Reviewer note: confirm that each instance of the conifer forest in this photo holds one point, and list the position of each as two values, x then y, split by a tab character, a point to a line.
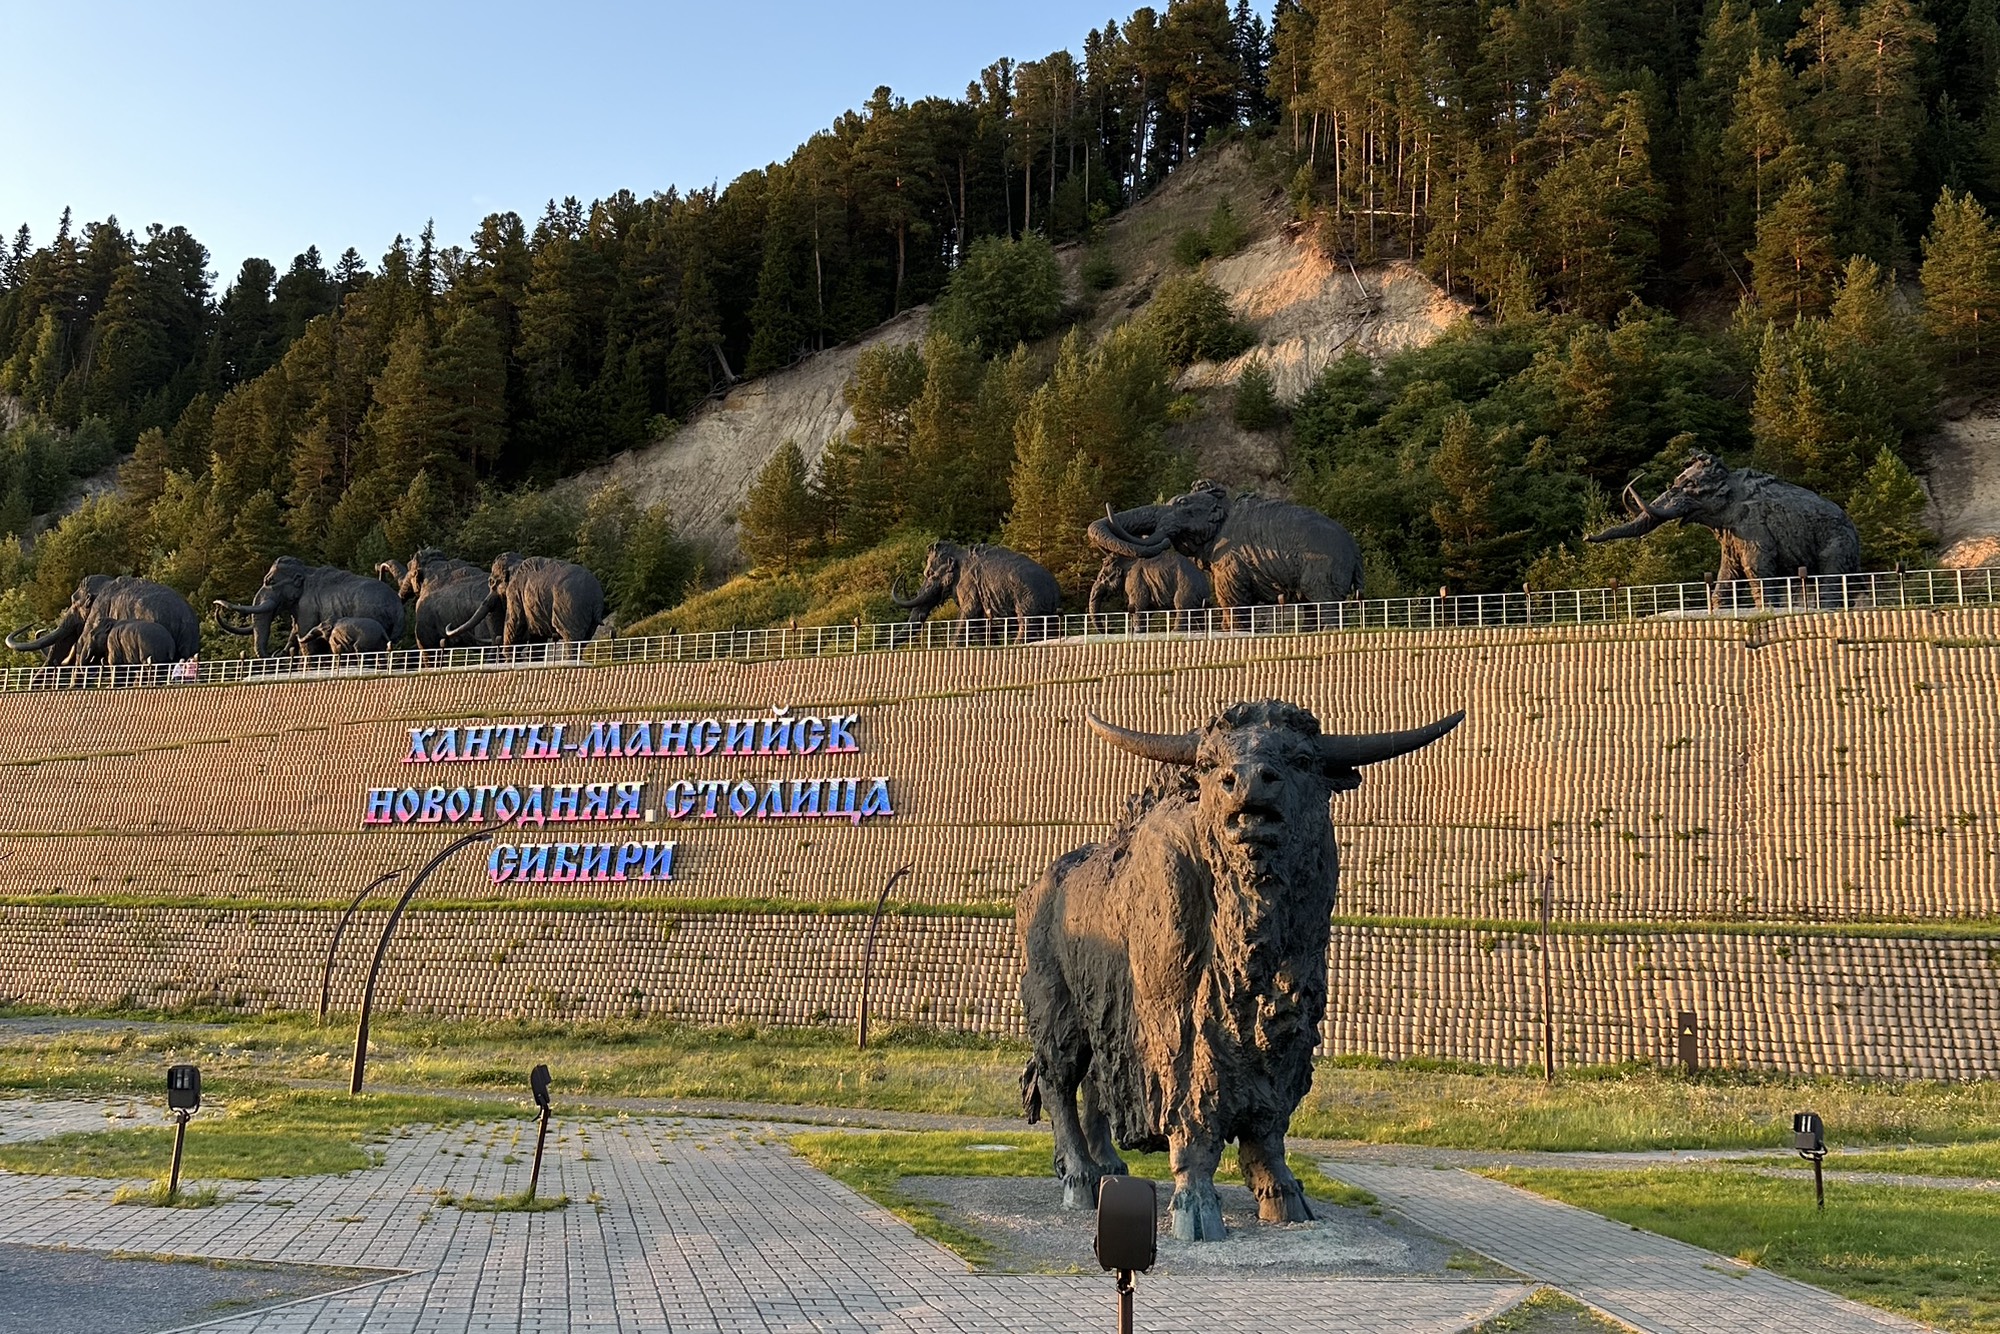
1760	230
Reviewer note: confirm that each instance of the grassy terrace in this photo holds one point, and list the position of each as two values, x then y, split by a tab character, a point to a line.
1932	1254
921	1070
278	1107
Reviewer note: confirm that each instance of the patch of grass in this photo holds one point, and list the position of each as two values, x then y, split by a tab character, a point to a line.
520	1202
257	1133
875	1165
1631	1108
1548	1312
1957	1160
154	1195
1932	1254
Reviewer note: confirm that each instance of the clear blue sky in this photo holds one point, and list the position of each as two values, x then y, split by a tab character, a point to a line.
264	128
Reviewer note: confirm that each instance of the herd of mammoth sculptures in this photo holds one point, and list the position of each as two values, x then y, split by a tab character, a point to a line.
1206	549
123	620
1203	548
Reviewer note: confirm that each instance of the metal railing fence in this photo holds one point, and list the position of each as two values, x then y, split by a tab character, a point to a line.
1565	606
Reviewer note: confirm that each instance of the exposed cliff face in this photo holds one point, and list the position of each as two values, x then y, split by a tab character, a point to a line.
1962	474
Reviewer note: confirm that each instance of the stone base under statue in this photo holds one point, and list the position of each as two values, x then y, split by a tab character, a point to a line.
1022	1218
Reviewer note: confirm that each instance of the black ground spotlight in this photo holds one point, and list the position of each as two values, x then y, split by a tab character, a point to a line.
1127	1226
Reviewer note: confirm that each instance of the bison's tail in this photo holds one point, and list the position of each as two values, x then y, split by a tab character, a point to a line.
1031	1093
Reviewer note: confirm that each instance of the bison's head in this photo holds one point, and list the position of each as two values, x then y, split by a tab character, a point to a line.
1264	768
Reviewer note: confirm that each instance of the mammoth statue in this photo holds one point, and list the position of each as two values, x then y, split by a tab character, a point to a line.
311	595
544	599
1767	528
100	599
444	593
1256	551
989	583
1176	973
349	634
1166	582
125	644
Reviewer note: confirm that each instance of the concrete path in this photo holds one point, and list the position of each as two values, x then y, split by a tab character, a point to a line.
701	1227
1652	1283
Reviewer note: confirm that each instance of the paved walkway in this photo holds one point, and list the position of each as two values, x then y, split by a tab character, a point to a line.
698	1226
1650	1282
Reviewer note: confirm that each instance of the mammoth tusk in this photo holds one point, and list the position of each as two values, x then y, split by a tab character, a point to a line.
896	594
22	642
1161	746
1351	752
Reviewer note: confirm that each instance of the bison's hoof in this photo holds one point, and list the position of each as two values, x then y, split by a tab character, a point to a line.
1080	1190
1286	1206
1196	1212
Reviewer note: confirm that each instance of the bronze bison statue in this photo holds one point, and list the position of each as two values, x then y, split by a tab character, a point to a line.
1176	973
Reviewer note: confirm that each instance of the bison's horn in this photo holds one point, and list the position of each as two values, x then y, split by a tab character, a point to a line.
1165	747
1351	752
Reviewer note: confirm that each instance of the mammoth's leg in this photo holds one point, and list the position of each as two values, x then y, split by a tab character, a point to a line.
1280	1199
1097	1133
1196	1210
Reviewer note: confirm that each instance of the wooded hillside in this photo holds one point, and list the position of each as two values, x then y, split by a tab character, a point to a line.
1608	182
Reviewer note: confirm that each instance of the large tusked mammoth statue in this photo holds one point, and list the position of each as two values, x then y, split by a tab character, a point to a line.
102	598
443	592
125	644
1166	582
544	599
1256	551
1176	972
989	583
1767	528
310	595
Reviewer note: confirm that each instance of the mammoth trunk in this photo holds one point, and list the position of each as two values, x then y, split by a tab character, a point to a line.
492	604
922	605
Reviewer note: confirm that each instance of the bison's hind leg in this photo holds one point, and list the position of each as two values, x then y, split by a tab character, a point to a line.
1196	1210
1280	1198
1074	1161
1097	1134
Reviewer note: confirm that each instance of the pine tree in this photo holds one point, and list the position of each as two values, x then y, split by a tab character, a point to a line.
1256	407
1888	512
779	522
1792	268
1961	275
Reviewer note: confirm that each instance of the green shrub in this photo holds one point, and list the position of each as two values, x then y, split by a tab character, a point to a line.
745	602
1190	321
1191	247
1006	292
1099	273
1257	406
1226	232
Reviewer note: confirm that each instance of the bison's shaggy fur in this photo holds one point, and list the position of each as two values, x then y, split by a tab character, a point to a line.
1176	972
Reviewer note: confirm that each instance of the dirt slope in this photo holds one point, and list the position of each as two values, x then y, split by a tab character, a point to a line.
703	470
1962	473
1306	311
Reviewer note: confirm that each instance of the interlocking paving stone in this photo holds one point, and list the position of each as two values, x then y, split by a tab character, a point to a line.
699	1226
1652	1283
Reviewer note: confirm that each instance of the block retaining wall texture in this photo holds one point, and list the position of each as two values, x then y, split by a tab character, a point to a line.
1825	769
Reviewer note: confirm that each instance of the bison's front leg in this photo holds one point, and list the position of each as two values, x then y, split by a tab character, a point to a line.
1280	1199
1196	1211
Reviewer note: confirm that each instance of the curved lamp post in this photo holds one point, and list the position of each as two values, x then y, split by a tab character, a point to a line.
868	953
382	948
326	973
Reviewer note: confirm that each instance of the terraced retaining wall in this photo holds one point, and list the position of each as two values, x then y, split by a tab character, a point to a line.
1788	826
